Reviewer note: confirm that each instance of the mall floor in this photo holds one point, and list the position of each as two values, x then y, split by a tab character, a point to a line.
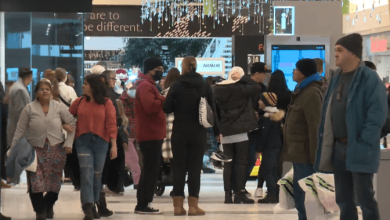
16	203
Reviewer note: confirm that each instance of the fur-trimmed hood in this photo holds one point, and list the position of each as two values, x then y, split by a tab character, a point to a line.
274	114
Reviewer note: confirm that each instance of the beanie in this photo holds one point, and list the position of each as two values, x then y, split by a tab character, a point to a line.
307	67
353	43
151	63
269	98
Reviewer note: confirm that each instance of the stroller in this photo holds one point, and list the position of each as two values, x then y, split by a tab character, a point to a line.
165	178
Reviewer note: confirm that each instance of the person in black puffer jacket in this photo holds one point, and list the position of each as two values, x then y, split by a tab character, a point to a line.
189	137
236	104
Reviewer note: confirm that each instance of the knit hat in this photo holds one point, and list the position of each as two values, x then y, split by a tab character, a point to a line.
307	67
151	63
269	99
353	43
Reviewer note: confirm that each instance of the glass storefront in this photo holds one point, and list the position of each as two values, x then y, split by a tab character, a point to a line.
42	41
376	50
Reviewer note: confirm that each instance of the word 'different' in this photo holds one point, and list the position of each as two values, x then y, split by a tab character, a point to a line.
112	27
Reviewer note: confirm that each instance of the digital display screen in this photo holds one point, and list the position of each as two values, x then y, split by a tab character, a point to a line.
284	58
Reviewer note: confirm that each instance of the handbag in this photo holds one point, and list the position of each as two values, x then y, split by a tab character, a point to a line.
206	115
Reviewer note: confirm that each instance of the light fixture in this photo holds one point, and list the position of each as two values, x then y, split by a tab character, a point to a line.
169	12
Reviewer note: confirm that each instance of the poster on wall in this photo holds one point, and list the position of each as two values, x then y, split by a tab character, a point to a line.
126	21
284	20
254	58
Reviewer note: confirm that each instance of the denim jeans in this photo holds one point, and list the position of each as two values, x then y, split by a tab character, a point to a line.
301	171
346	183
92	152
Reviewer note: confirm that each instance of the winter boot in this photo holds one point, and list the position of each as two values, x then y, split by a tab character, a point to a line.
88	211
178	206
193	207
228	197
102	206
95	212
269	199
241	197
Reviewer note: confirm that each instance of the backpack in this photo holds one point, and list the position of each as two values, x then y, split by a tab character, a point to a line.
206	115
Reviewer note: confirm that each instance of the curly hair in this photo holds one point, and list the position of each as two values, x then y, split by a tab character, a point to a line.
51	75
99	90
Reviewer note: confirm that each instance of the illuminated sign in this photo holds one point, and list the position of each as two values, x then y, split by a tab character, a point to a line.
378	44
207	66
284	20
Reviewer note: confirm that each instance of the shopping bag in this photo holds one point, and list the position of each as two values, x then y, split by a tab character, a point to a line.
314	208
286	193
256	168
326	191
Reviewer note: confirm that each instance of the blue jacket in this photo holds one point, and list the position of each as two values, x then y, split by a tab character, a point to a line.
21	156
366	115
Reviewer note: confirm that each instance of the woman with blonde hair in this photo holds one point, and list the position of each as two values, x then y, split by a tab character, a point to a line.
189	137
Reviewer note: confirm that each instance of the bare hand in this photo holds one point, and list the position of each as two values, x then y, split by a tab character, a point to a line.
68	128
125	146
114	152
258	155
68	150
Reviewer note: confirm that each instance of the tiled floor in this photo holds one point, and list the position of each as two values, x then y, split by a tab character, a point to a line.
16	203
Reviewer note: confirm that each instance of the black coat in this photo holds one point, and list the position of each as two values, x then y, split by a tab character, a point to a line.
183	100
236	105
271	134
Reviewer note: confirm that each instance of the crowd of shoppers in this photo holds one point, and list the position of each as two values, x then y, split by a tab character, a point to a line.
327	124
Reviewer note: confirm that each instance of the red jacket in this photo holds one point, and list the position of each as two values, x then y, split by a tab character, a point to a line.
150	118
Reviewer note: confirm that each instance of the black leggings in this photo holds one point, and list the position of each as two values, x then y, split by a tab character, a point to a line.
188	149
40	202
239	153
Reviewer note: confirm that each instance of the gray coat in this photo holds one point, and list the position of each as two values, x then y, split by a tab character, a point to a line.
18	99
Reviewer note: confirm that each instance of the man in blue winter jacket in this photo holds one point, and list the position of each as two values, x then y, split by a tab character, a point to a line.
353	114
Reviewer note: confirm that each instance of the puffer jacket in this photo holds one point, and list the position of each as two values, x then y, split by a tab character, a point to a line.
236	106
302	122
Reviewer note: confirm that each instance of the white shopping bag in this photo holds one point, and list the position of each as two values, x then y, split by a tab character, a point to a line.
326	191
286	193
314	208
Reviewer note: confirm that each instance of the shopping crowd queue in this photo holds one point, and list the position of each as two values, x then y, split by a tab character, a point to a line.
331	125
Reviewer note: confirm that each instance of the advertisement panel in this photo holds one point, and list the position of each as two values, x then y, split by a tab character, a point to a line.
206	66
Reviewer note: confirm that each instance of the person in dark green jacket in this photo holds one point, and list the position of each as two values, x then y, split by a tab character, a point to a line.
353	114
301	127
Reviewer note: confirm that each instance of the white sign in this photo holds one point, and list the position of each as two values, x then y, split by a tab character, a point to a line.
207	66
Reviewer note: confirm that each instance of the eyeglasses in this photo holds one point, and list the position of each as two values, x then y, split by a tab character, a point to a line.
113	79
44	90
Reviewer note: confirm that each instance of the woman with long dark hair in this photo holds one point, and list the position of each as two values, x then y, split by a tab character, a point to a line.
41	124
92	140
189	137
278	86
172	77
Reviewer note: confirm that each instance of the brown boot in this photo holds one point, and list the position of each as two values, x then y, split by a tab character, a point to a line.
178	206
193	207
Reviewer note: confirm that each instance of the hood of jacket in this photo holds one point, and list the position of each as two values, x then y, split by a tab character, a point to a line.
192	80
142	77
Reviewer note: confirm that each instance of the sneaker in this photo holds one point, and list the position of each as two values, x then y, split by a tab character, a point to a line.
259	192
220	156
148	211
